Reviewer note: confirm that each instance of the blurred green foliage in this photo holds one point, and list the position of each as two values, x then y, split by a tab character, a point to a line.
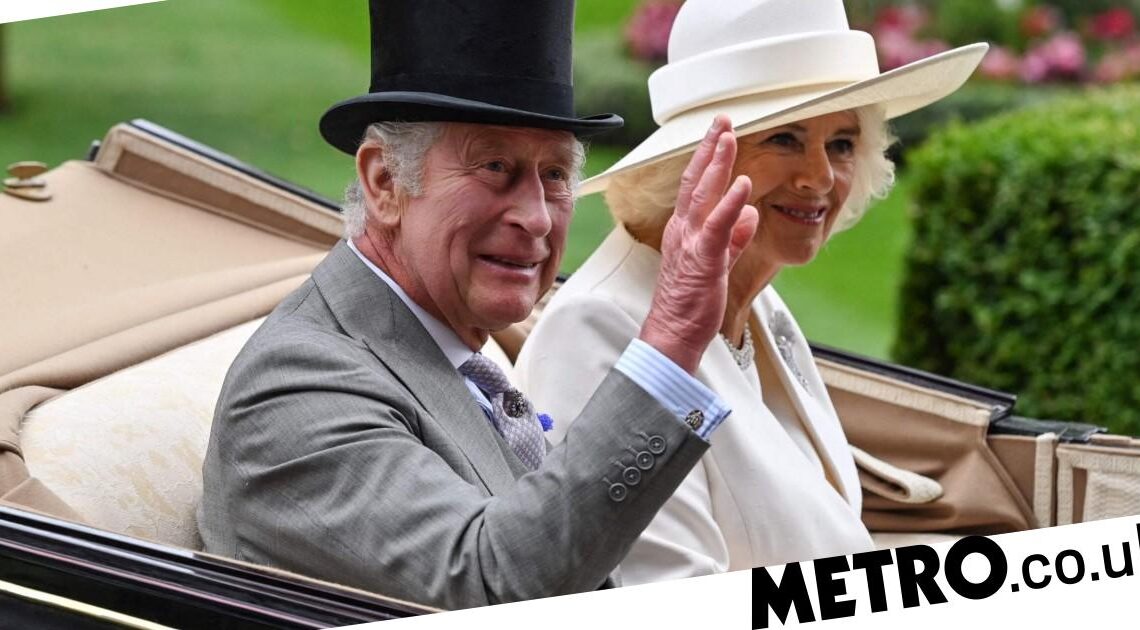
973	102
1023	271
251	79
967	21
348	23
606	79
606	14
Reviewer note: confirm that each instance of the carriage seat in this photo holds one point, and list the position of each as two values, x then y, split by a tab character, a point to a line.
125	451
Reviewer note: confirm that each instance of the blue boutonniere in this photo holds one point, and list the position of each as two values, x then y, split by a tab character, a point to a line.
546	421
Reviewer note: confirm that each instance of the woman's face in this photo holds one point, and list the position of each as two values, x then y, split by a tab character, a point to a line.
801	176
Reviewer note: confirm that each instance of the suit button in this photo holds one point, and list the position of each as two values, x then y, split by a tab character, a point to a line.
644	460
631	476
695	419
618	492
656	444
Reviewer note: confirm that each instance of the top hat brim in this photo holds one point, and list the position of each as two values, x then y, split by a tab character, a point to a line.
899	91
344	124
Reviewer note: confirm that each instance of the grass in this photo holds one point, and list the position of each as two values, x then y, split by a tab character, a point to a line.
597	13
252	78
848	296
233	75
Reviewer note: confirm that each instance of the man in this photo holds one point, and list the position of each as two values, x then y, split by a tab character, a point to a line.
360	438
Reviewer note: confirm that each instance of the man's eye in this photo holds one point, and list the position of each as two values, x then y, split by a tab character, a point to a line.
496	166
557	174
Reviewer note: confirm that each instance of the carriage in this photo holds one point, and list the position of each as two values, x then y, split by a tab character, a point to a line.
133	277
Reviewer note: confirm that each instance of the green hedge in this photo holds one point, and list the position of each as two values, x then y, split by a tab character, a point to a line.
1024	272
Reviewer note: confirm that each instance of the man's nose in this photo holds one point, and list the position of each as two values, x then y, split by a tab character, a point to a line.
815	173
529	209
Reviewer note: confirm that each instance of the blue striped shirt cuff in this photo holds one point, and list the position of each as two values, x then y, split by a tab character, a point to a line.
673	387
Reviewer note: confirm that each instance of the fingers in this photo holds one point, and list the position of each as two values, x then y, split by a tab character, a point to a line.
715	179
743	232
694	172
719	227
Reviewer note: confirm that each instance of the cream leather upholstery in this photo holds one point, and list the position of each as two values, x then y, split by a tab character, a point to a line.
125	451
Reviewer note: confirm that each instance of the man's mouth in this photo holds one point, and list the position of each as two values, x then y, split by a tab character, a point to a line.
514	263
810	216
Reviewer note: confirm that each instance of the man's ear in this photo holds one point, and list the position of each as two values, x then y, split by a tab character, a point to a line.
381	196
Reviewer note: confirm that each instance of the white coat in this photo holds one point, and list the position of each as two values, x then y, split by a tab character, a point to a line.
757	497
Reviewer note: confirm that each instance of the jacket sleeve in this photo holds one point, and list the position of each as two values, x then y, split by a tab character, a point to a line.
319	463
570	352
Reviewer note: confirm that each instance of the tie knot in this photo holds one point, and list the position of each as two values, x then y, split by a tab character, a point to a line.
485	374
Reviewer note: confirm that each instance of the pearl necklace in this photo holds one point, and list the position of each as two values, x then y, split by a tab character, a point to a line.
745	355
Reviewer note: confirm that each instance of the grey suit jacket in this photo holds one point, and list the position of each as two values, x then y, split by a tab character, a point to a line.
346	447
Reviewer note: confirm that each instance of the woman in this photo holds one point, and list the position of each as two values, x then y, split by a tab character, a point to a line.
778	483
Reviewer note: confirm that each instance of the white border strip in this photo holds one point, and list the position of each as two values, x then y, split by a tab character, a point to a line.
18	10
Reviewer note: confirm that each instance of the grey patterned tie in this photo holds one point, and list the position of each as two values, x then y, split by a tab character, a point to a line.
513	415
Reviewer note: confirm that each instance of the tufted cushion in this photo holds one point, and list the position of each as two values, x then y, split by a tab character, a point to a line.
125	451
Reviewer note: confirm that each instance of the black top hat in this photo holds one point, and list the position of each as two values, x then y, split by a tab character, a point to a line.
501	62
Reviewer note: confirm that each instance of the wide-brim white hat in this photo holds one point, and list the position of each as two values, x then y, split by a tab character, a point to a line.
766	63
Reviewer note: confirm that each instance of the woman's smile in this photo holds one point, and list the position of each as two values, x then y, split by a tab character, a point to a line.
807	215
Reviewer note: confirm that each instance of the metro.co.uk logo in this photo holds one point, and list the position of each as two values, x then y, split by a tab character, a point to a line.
972	568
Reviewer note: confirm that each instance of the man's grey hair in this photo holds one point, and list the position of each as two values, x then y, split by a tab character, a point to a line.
405	146
643	198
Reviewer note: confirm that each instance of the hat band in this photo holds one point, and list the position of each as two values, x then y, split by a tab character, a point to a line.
543	97
756	67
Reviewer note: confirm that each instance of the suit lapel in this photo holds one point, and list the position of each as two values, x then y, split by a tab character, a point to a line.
826	435
369	311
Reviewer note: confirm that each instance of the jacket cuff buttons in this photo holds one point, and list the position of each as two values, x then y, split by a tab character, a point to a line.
631	475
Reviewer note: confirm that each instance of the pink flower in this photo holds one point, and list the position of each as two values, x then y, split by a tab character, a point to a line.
1066	54
1113	67
1062	56
1034	67
931	47
648	30
907	19
1119	65
897	48
1132	54
1000	64
1040	20
1113	24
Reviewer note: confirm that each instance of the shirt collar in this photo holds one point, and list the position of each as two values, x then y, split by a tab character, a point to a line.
452	346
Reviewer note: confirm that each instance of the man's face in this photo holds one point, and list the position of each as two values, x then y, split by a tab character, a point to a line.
483	242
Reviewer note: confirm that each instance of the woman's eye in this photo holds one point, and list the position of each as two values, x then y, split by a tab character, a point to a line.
496	166
843	146
557	174
783	140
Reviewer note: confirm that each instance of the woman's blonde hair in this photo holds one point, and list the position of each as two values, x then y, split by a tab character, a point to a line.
643	199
